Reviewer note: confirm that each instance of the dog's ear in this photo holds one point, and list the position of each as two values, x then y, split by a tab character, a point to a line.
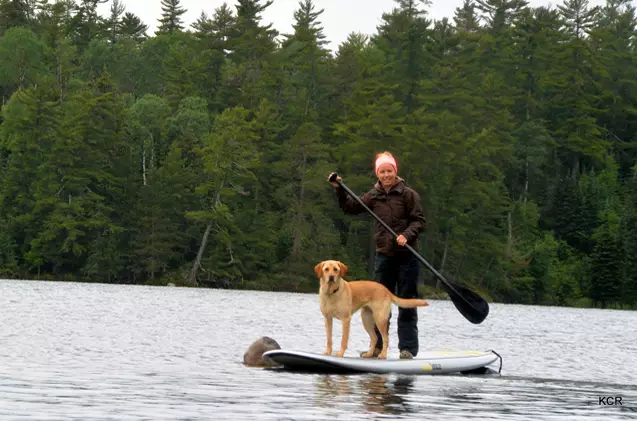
343	269
318	269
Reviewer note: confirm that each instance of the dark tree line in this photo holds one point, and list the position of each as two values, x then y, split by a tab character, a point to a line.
199	155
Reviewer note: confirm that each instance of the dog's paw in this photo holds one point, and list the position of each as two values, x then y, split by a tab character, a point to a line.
327	353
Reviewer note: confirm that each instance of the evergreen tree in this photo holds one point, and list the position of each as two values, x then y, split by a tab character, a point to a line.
14	13
160	238
612	40
170	21
249	77
31	125
113	25
229	157
629	234
465	17
213	34
606	267
131	26
404	38
86	24
575	99
181	74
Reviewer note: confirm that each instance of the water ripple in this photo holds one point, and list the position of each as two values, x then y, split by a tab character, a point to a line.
118	352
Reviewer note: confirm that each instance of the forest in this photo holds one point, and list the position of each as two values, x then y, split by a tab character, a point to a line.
198	155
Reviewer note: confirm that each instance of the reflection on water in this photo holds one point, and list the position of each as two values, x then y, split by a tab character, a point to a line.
130	353
459	397
378	394
383	396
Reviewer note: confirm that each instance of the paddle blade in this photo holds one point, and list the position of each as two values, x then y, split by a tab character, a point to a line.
472	306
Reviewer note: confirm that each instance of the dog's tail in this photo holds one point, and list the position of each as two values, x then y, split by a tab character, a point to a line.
408	302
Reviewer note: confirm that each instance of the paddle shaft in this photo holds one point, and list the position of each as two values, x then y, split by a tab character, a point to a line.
388	228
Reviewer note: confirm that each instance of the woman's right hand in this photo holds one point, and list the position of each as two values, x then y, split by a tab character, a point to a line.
334	183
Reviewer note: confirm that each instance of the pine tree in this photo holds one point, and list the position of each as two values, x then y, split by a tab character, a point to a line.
574	103
500	15
466	18
612	41
304	63
170	21
606	271
181	74
345	71
404	38
251	41
248	77
78	181
86	24
132	27
213	34
8	260
229	157
113	25
575	214
629	234
160	237
14	13
537	38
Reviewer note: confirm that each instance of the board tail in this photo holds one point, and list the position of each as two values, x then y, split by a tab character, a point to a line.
408	302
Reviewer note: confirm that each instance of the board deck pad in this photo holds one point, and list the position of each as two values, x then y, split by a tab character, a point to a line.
429	362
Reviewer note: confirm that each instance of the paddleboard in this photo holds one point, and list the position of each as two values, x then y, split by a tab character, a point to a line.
430	362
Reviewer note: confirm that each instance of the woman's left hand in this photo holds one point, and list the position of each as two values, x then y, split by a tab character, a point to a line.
401	240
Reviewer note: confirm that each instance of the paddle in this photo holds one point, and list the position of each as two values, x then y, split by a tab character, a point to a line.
472	306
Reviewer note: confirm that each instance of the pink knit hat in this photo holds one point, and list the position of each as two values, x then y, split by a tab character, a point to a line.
385	159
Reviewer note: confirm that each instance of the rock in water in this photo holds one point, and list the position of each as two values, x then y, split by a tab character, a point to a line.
254	355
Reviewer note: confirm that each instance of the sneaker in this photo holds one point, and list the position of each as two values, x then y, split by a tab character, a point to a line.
406	355
376	353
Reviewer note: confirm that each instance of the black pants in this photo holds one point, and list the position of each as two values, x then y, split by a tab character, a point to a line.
399	274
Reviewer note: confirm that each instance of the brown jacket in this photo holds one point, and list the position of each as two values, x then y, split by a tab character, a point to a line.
400	209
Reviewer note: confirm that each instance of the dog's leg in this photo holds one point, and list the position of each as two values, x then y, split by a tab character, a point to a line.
346	322
328	331
368	322
382	321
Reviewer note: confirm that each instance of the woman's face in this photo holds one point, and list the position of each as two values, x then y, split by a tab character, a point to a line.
387	175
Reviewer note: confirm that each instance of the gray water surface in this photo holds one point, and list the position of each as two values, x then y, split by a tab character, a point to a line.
114	352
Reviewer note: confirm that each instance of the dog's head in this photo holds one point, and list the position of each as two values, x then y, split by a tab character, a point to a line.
330	270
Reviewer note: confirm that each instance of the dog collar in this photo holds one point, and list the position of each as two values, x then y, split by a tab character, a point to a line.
334	292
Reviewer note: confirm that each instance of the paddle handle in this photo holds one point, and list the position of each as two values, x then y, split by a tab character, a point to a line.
334	178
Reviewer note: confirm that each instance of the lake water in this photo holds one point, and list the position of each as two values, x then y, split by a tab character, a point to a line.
114	352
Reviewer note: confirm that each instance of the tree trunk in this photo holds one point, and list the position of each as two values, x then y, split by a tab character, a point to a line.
144	164
192	277
444	258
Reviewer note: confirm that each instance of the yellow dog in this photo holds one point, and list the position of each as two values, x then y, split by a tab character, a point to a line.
341	299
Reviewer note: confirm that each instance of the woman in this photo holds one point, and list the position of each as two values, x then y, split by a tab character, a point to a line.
395	267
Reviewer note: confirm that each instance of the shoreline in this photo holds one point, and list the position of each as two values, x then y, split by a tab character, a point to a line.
425	291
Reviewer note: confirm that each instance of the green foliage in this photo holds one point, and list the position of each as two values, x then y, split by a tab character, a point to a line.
199	155
20	58
170	21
